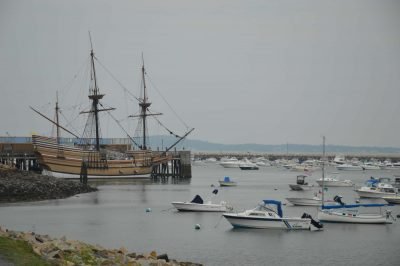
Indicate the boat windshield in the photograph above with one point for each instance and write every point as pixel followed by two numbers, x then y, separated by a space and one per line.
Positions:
pixel 257 213
pixel 384 180
pixel 263 208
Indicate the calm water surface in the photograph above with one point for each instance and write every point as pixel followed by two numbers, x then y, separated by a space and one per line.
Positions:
pixel 116 216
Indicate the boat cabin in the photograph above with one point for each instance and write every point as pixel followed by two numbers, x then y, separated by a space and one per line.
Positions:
pixel 301 180
pixel 262 211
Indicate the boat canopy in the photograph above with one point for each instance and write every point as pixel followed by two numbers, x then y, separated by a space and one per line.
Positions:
pixel 354 206
pixel 197 199
pixel 278 205
pixel 227 179
pixel 372 182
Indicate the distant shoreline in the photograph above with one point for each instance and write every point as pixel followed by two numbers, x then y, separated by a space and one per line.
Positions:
pixel 302 156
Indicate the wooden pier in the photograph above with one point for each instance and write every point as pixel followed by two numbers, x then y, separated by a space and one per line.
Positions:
pixel 19 155
pixel 180 166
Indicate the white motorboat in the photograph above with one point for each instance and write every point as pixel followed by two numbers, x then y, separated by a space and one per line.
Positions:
pixel 227 182
pixel 210 160
pixel 301 184
pixel 333 181
pixel 262 164
pixel 376 188
pixel 314 201
pixel 265 217
pixel 392 199
pixel 231 163
pixel 370 166
pixel 396 183
pixel 247 165
pixel 301 168
pixel 199 205
pixel 339 159
pixel 349 167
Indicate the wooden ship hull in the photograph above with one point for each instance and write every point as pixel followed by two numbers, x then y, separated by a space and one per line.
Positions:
pixel 72 162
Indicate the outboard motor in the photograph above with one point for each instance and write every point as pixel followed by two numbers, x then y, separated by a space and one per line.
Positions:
pixel 338 199
pixel 389 215
pixel 315 223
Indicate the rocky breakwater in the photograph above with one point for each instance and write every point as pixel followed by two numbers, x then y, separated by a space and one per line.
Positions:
pixel 16 185
pixel 61 251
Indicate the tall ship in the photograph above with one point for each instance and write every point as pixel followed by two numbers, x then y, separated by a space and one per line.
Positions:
pixel 88 157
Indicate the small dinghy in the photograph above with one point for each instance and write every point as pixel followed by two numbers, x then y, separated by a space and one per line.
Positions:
pixel 301 184
pixel 314 201
pixel 227 182
pixel 199 205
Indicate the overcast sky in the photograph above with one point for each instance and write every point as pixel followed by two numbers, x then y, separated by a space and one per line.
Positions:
pixel 267 72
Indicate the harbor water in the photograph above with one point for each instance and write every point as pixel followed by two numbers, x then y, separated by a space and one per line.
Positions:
pixel 138 215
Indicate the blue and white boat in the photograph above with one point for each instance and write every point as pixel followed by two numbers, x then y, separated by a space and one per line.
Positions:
pixel 350 214
pixel 377 188
pixel 227 182
pixel 266 217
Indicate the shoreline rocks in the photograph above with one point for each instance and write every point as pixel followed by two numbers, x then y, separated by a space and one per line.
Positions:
pixel 16 186
pixel 61 251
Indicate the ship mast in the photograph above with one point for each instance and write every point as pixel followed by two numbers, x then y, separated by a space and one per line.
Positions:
pixel 57 121
pixel 144 105
pixel 95 97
